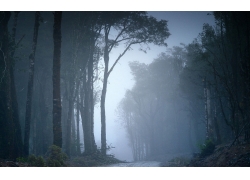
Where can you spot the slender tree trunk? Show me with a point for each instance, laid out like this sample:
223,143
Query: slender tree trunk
77,127
103,116
7,141
57,108
18,134
209,114
73,133
68,127
103,97
83,112
30,87
86,120
206,110
90,96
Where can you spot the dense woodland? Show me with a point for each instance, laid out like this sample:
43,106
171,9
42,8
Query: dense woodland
188,95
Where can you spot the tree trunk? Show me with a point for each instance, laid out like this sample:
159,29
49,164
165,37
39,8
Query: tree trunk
76,129
90,97
30,87
206,110
73,133
18,134
68,127
57,108
103,96
78,150
6,116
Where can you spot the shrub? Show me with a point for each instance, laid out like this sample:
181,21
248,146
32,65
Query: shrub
55,157
36,161
207,148
21,160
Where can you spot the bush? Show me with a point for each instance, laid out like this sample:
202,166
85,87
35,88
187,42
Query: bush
36,161
207,148
55,157
22,160
32,160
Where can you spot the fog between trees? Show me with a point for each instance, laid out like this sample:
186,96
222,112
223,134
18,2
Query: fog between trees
188,94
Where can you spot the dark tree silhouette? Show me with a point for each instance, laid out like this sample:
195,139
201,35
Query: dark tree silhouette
57,108
18,134
30,86
6,116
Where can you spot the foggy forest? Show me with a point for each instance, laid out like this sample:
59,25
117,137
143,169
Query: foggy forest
188,106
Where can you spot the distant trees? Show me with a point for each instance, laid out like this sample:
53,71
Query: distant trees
152,110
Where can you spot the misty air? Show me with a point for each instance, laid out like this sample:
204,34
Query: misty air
124,89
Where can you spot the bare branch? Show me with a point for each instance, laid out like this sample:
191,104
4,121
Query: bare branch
127,48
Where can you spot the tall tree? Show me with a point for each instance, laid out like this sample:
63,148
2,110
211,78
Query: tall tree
6,117
30,86
132,28
57,128
13,46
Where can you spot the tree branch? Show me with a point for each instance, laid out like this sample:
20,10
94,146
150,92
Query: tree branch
111,69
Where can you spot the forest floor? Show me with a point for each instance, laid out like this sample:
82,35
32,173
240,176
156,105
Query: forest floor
222,156
94,160
225,156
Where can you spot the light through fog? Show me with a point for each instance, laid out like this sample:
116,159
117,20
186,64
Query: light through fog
184,27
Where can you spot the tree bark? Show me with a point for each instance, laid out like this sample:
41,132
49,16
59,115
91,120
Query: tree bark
30,87
103,96
78,150
103,116
6,116
18,134
68,127
57,108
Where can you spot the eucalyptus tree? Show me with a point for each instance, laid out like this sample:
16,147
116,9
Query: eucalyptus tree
13,46
6,118
80,57
228,47
57,127
30,85
10,136
130,28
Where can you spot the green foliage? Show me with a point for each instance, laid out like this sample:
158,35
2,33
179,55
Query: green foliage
32,160
36,161
207,148
56,158
22,160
